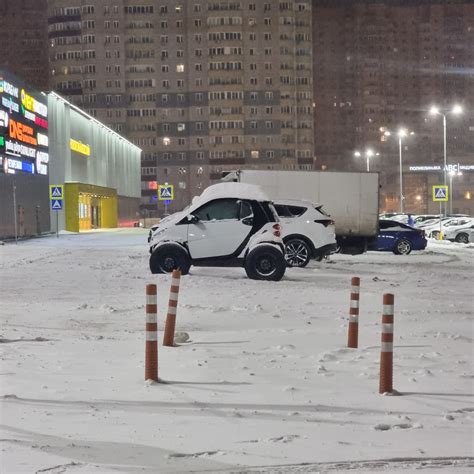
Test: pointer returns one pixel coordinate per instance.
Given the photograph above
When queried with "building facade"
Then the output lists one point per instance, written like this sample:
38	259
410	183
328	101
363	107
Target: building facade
24	158
44	141
99	169
24	37
201	86
383	64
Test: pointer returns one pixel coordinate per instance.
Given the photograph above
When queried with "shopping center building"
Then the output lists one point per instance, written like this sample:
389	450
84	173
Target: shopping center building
45	140
99	168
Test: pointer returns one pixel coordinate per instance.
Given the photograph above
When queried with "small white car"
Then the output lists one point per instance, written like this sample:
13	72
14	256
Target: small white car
463	233
230	224
307	231
449	224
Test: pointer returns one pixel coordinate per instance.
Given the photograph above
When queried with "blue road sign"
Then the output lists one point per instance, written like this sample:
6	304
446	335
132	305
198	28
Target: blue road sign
56	191
56	204
440	193
166	192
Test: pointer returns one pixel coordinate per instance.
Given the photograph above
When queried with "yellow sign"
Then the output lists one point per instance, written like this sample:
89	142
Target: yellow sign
440	193
81	148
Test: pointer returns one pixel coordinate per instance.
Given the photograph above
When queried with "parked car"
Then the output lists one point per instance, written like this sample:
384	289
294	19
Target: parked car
422	218
462	234
230	224
458	230
449	223
398	238
388	215
403	218
434	225
307	231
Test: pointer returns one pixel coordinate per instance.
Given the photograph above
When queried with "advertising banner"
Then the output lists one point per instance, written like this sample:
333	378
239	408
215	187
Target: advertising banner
23	128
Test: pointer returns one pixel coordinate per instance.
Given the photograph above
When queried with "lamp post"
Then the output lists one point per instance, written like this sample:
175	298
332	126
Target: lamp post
368	155
456	110
401	134
166	144
451	175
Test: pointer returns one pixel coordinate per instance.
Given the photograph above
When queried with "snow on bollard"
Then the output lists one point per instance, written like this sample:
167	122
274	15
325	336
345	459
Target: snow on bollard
386	351
353	334
168	338
151	340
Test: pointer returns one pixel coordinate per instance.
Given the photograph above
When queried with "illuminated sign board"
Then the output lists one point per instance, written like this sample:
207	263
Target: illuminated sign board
454	167
80	147
23	128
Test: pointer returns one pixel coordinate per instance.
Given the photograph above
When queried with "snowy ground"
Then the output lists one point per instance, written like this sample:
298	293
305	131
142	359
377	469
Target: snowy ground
265	383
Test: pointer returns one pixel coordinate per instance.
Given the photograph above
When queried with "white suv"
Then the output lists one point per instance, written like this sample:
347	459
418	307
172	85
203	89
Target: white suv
307	231
463	233
230	224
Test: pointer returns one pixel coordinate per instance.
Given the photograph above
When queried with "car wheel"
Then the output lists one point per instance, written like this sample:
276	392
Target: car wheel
297	253
169	257
403	247
463	238
265	263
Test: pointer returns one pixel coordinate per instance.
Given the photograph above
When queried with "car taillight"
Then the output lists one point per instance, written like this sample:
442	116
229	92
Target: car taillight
325	222
276	230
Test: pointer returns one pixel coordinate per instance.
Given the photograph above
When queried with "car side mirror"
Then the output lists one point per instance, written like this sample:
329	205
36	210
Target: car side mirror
247	220
192	219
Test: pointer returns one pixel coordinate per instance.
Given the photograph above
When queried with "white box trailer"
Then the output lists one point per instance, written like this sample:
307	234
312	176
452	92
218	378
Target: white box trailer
352	199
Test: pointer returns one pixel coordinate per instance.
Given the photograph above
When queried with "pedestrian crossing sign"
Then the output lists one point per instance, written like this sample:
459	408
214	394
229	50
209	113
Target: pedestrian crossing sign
56	204
165	192
440	193
56	191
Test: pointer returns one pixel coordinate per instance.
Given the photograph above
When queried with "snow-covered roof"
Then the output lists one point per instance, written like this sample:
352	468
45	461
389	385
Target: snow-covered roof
296	202
233	190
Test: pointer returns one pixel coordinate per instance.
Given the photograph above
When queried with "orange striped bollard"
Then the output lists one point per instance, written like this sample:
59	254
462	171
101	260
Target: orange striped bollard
353	334
386	352
151	339
168	338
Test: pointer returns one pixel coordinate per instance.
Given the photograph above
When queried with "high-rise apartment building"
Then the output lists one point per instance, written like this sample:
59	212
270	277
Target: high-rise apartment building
383	63
24	40
201	86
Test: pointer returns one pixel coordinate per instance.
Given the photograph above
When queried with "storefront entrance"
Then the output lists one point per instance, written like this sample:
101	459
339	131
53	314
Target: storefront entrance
90	207
90	211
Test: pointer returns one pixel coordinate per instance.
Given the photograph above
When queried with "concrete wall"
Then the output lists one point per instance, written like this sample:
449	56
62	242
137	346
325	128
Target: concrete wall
32	205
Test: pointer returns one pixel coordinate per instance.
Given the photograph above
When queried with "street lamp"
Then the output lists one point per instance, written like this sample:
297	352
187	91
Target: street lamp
456	110
451	175
166	144
369	153
401	134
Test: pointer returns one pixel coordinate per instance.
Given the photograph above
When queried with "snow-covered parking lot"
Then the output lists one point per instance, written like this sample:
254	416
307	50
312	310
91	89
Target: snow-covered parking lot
265	383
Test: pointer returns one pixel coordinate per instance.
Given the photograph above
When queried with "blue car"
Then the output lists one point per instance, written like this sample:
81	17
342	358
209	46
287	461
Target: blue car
398	238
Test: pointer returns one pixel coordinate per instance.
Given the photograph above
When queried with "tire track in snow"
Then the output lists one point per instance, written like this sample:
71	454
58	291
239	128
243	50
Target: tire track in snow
376	465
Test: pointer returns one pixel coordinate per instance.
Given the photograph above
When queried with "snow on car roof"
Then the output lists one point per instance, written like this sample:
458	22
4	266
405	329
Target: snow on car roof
232	190
295	202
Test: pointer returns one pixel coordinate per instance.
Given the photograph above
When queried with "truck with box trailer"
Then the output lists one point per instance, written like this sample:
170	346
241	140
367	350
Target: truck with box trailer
350	198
